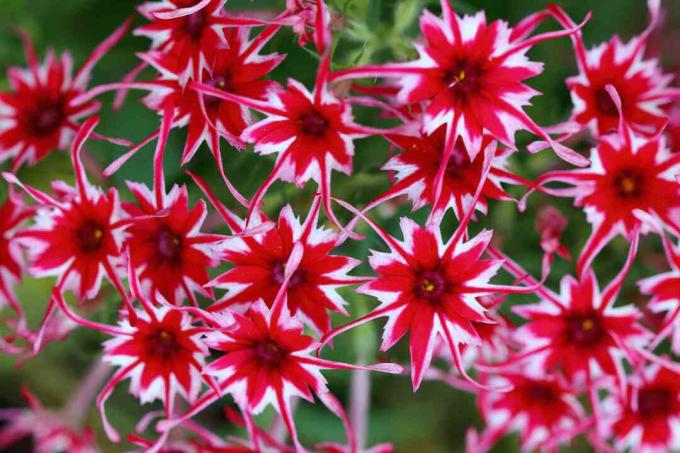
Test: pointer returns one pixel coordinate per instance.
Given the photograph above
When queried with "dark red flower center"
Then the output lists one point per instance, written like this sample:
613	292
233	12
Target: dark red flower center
541	393
90	236
163	344
464	78
654	402
220	82
629	183
47	118
313	123
194	24
279	275
458	163
431	285
169	245
269	353
584	330
605	104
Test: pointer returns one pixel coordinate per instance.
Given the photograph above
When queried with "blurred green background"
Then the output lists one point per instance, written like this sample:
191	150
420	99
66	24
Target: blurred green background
436	418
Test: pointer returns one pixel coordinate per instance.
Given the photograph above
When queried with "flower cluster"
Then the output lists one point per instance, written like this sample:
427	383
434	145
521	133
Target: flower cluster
243	315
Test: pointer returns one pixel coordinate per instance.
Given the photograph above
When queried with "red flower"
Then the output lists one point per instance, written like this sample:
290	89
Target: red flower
185	32
418	164
76	238
266	361
626	174
41	111
259	264
165	245
430	289
312	134
665	290
13	213
50	431
580	327
543	410
472	73
642	86
646	417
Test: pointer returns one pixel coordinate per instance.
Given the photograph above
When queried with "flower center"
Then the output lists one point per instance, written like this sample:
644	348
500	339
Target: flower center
313	123
46	119
267	352
89	236
584	329
605	104
464	78
628	183
168	245
431	285
220	82
163	344
541	393
194	24
653	402
279	275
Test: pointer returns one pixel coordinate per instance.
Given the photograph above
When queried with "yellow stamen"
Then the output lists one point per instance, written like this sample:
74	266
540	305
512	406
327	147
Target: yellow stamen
588	324
427	286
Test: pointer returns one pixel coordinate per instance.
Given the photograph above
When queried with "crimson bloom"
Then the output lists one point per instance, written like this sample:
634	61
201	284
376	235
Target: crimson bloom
472	75
627	173
431	289
259	263
266	361
40	113
161	353
646	418
417	166
312	133
13	213
185	32
50	431
543	410
642	86
581	327
78	237
166	246
664	289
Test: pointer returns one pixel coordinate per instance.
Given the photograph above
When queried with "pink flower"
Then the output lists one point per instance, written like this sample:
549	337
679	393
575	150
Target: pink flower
185	32
166	246
472	75
580	327
646	417
543	410
78	237
266	361
13	213
642	86
417	165
259	267
627	173
311	133
41	112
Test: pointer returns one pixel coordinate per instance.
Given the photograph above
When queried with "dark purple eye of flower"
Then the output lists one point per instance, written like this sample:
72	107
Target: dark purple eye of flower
194	24
541	393
220	82
163	344
464	78
584	329
654	402
431	285
89	236
46	119
269	353
168	245
313	123
605	104
278	275
628	183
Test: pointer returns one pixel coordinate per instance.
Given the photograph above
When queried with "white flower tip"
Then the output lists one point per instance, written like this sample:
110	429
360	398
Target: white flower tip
391	368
